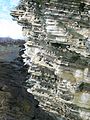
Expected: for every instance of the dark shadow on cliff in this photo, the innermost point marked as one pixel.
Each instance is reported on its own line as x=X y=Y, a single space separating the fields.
x=15 y=102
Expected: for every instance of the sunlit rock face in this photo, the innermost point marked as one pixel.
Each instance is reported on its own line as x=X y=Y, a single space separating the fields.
x=57 y=52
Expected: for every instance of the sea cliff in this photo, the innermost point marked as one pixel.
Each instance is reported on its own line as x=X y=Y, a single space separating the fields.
x=57 y=53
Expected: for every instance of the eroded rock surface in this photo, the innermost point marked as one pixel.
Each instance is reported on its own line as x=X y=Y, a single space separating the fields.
x=57 y=52
x=15 y=102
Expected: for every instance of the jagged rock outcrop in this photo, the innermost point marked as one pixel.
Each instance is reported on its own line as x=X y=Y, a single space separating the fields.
x=57 y=52
x=15 y=102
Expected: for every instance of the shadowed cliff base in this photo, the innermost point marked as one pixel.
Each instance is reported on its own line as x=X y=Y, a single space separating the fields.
x=15 y=102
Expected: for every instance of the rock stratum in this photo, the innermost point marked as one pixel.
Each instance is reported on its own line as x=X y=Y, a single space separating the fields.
x=57 y=53
x=15 y=102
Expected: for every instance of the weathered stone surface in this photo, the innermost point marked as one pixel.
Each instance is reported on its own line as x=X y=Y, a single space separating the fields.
x=15 y=102
x=57 y=54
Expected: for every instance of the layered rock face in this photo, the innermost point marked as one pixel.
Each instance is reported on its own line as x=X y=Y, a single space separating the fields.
x=15 y=102
x=57 y=52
